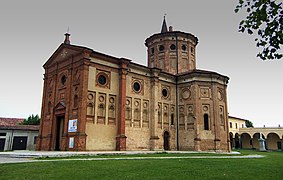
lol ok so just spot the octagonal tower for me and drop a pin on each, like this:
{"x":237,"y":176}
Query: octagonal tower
{"x":172,"y":51}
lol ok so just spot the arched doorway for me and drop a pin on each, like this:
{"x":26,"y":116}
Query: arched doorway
{"x":166,"y":138}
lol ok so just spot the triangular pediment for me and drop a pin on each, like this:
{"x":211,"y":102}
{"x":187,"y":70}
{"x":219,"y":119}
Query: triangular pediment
{"x":60,"y":106}
{"x":63,"y":53}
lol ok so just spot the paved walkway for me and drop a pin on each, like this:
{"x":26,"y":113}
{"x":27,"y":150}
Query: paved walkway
{"x":28,"y":156}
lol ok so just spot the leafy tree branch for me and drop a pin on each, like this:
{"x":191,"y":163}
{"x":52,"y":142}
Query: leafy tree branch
{"x":31,"y":120}
{"x":265,"y":17}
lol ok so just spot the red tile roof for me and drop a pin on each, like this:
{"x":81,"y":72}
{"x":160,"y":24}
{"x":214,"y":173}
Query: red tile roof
{"x":13,"y":123}
{"x":10,"y":121}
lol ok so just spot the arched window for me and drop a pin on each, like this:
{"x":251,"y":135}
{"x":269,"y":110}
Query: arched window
{"x":90,"y":109}
{"x":128,"y":113}
{"x":101,"y":110}
{"x":111,"y":112}
{"x":206,"y":122}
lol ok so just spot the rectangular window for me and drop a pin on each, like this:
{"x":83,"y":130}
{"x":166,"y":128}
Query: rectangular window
{"x":2,"y":134}
{"x":34,"y":139}
{"x":172,"y":119}
{"x":206,"y":122}
{"x":230,"y":124}
{"x":236,"y":125}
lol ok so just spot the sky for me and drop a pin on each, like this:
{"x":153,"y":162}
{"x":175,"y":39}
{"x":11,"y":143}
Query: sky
{"x":31,"y":30}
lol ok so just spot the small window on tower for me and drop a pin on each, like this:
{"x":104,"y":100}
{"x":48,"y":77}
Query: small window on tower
{"x":192,"y":50}
{"x":152,"y":50}
{"x":173,"y":47}
{"x":161,"y":48}
{"x":184,"y":47}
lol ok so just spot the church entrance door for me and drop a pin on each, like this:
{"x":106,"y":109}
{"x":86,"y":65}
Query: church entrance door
{"x":59,"y":132}
{"x":166,"y":138}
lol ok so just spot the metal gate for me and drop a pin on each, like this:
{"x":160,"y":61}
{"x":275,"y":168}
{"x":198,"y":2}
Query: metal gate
{"x":20,"y":143}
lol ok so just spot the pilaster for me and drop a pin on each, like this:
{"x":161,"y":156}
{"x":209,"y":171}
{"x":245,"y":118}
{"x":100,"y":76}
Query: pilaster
{"x":121,"y":137}
{"x":80,"y":141}
{"x":154,"y":108}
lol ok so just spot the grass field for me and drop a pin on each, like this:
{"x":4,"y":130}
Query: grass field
{"x":269,"y":167}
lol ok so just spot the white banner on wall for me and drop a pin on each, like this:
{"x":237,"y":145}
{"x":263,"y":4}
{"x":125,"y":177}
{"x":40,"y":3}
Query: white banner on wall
{"x":73,"y":125}
{"x":71,"y":142}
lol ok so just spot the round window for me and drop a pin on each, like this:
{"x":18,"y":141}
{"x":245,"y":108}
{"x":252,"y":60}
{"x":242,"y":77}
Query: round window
{"x":102,"y":80}
{"x":63,"y":79}
{"x":184,"y":47}
{"x":137,"y":86}
{"x":173,"y":47}
{"x":161,"y":48}
{"x":165,"y":92}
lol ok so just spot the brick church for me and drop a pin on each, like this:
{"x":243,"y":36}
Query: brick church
{"x":94,"y":101}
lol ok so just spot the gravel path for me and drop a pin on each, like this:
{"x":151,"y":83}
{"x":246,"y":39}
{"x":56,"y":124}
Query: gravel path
{"x":9,"y":159}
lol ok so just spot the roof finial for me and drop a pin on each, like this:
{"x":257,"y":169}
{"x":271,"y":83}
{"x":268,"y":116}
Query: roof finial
{"x":164,"y":25}
{"x":67,"y":37}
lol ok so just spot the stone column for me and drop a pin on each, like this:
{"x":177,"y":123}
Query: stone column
{"x":121,"y":137}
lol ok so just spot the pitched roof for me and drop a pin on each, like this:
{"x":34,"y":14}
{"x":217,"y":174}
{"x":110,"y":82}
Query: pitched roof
{"x":10,"y":121}
{"x":13,"y":124}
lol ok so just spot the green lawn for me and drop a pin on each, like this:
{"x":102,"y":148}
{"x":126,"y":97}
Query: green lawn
{"x":269,"y":167}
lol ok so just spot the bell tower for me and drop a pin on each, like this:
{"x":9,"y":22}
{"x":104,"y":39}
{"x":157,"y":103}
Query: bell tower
{"x":172,"y":51}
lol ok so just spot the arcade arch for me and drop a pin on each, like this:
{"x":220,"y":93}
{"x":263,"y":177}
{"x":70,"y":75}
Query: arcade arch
{"x":273,"y":141}
{"x":246,"y":141}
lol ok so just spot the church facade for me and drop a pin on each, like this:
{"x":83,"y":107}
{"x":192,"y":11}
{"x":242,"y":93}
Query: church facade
{"x":93,"y":101}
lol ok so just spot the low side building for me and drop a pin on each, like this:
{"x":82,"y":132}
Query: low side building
{"x":247,"y":138}
{"x":17,"y":137}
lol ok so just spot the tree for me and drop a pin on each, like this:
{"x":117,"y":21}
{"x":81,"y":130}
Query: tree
{"x":31,"y":120}
{"x":249,"y":124}
{"x":266,"y":18}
